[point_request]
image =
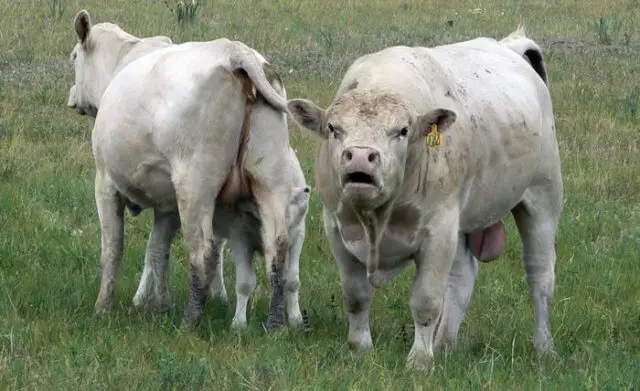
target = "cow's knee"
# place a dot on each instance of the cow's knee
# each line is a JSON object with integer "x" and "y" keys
{"x": 291, "y": 285}
{"x": 426, "y": 309}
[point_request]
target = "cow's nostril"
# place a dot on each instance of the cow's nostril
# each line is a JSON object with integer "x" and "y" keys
{"x": 348, "y": 155}
{"x": 373, "y": 157}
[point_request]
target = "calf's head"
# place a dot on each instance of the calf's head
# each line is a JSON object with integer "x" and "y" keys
{"x": 368, "y": 135}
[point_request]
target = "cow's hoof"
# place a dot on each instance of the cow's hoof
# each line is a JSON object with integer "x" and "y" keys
{"x": 188, "y": 326}
{"x": 419, "y": 361}
{"x": 295, "y": 320}
{"x": 275, "y": 326}
{"x": 219, "y": 293}
{"x": 275, "y": 323}
{"x": 544, "y": 346}
{"x": 238, "y": 324}
{"x": 103, "y": 306}
{"x": 164, "y": 305}
{"x": 139, "y": 301}
{"x": 361, "y": 343}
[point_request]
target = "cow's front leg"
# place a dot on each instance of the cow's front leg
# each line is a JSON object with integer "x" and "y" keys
{"x": 433, "y": 264}
{"x": 356, "y": 289}
{"x": 156, "y": 261}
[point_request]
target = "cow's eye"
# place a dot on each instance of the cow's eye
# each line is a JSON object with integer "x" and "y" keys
{"x": 403, "y": 132}
{"x": 334, "y": 131}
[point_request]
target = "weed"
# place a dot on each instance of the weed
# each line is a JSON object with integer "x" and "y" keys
{"x": 612, "y": 31}
{"x": 185, "y": 11}
{"x": 57, "y": 8}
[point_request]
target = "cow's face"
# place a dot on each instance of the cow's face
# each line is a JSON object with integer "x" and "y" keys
{"x": 368, "y": 136}
{"x": 95, "y": 57}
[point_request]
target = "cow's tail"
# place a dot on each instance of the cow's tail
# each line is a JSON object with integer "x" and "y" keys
{"x": 525, "y": 47}
{"x": 251, "y": 69}
{"x": 244, "y": 58}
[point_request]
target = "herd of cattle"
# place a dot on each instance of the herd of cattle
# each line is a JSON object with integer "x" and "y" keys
{"x": 423, "y": 152}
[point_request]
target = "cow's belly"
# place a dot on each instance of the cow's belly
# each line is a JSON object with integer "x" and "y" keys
{"x": 494, "y": 191}
{"x": 147, "y": 185}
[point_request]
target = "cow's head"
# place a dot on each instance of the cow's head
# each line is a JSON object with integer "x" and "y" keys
{"x": 368, "y": 135}
{"x": 96, "y": 57}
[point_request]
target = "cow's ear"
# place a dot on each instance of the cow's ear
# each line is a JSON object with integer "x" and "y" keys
{"x": 442, "y": 118}
{"x": 309, "y": 116}
{"x": 82, "y": 25}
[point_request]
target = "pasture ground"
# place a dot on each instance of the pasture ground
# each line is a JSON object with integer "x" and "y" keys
{"x": 49, "y": 233}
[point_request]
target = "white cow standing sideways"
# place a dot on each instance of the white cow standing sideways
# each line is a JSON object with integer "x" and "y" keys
{"x": 94, "y": 71}
{"x": 170, "y": 135}
{"x": 423, "y": 152}
{"x": 119, "y": 48}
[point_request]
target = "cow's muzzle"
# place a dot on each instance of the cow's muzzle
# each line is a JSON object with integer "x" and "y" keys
{"x": 359, "y": 165}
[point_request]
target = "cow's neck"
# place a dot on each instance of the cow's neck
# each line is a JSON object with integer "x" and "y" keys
{"x": 120, "y": 62}
{"x": 415, "y": 172}
{"x": 374, "y": 222}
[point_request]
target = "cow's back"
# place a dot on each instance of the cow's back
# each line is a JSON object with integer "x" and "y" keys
{"x": 165, "y": 112}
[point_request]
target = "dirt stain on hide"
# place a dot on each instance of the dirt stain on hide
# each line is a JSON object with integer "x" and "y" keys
{"x": 367, "y": 103}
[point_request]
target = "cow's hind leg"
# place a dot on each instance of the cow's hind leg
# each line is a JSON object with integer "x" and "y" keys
{"x": 196, "y": 203}
{"x": 275, "y": 240}
{"x": 110, "y": 205}
{"x": 537, "y": 221}
{"x": 156, "y": 261}
{"x": 459, "y": 290}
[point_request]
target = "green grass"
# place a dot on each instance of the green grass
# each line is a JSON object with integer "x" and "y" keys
{"x": 49, "y": 234}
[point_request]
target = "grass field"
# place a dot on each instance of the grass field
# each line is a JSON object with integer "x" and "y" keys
{"x": 49, "y": 232}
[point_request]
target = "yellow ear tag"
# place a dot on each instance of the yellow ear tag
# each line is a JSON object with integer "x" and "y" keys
{"x": 434, "y": 138}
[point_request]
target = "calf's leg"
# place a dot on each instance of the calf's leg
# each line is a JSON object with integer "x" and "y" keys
{"x": 272, "y": 211}
{"x": 217, "y": 285}
{"x": 292, "y": 279}
{"x": 245, "y": 280}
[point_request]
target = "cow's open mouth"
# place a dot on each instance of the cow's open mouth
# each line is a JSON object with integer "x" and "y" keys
{"x": 359, "y": 178}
